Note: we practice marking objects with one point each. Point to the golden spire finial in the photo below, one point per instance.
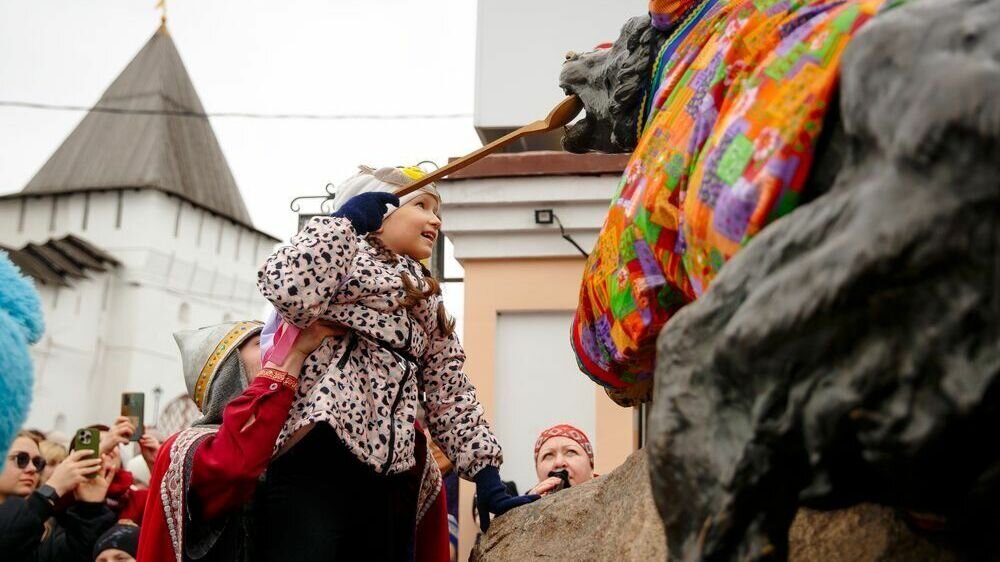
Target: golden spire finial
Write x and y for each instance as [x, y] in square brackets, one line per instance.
[162, 6]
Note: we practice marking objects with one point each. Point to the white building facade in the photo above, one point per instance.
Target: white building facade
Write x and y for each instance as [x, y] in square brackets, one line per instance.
[521, 276]
[151, 190]
[520, 48]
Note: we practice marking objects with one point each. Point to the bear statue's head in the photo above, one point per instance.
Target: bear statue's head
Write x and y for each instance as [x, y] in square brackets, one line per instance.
[612, 84]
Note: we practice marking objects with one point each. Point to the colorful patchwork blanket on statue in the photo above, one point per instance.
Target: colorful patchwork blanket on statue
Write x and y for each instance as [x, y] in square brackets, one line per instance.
[739, 93]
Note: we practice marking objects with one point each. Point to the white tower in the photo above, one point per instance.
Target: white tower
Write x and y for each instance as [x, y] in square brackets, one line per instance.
[133, 229]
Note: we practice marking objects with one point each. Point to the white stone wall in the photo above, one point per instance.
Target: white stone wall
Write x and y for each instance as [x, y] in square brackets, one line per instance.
[532, 351]
[67, 358]
[520, 48]
[182, 268]
[492, 218]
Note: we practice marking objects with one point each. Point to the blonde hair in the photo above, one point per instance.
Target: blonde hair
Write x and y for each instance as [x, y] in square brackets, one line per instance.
[413, 294]
[29, 434]
[53, 453]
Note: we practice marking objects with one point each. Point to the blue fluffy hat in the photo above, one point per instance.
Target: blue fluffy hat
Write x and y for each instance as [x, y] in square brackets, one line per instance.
[21, 325]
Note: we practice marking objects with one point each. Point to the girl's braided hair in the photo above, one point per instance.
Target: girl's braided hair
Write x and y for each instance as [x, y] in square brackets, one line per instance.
[414, 294]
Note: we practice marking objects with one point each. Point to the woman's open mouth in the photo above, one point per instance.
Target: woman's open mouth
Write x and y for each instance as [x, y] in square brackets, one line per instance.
[432, 236]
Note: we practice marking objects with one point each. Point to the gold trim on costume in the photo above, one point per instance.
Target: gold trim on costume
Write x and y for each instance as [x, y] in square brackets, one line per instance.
[215, 359]
[279, 376]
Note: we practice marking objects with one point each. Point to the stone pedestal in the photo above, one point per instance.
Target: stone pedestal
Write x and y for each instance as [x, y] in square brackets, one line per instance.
[614, 518]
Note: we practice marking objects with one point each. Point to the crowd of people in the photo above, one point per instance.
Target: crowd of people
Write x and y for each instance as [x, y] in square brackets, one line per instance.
[337, 430]
[60, 504]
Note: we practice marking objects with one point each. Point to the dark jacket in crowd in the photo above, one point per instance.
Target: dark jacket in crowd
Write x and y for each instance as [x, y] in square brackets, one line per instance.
[22, 525]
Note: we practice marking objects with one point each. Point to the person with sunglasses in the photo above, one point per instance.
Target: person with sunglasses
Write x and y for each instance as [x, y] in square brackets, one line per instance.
[25, 510]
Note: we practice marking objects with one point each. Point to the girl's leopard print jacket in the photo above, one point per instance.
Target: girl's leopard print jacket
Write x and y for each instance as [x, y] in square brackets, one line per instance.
[366, 384]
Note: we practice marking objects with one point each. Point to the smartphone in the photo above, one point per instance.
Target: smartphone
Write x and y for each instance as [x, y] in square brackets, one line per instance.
[87, 439]
[562, 475]
[133, 407]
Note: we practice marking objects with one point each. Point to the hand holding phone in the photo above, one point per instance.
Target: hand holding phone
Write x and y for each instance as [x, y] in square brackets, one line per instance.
[555, 481]
[87, 439]
[120, 433]
[133, 407]
[73, 471]
[561, 475]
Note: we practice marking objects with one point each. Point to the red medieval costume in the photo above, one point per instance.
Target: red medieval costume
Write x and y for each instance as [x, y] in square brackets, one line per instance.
[125, 499]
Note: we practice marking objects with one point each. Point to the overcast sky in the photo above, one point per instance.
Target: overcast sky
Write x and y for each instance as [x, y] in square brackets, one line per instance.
[292, 56]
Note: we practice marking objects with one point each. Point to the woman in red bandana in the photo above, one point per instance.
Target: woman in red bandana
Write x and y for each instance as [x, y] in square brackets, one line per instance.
[566, 448]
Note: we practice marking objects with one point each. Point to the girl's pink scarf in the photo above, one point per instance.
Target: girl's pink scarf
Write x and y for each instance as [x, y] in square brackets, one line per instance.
[276, 339]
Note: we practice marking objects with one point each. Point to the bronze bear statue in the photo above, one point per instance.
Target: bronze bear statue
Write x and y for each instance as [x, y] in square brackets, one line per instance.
[851, 351]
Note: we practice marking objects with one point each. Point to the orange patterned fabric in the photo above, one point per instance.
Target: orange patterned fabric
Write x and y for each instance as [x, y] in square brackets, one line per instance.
[740, 92]
[666, 13]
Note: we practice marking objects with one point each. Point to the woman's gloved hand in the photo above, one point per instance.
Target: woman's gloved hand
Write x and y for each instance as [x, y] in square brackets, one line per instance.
[492, 496]
[365, 210]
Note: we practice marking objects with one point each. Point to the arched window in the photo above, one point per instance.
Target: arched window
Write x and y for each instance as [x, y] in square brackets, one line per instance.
[177, 415]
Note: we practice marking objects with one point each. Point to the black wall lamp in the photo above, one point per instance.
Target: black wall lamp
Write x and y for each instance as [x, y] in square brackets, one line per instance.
[548, 216]
[544, 216]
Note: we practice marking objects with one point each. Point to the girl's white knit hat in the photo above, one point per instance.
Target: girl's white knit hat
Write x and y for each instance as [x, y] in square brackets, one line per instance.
[388, 180]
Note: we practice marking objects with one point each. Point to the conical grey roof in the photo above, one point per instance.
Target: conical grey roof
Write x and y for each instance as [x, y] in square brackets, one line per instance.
[173, 153]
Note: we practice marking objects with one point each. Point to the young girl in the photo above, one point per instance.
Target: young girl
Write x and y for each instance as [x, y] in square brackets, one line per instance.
[335, 491]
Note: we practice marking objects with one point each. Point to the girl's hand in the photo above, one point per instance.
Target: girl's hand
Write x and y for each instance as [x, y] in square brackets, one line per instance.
[94, 490]
[119, 434]
[149, 446]
[365, 210]
[492, 496]
[72, 471]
